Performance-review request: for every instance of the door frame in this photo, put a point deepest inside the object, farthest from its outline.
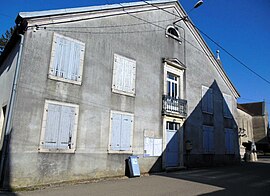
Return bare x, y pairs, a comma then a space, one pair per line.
181, 139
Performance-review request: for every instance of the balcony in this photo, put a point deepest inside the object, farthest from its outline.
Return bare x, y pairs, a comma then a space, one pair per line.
174, 106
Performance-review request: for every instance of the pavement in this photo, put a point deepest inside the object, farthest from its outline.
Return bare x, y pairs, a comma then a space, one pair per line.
244, 179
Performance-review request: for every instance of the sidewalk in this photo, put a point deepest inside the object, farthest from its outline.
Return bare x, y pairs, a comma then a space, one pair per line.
246, 179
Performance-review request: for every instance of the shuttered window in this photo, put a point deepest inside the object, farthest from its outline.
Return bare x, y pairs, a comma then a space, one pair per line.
230, 141
208, 139
66, 59
124, 75
121, 131
207, 100
59, 127
227, 105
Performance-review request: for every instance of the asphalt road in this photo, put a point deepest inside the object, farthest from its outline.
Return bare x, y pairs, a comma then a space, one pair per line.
245, 179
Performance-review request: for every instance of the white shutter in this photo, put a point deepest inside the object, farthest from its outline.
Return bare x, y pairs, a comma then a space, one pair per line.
67, 58
118, 73
52, 125
116, 120
126, 128
66, 127
124, 74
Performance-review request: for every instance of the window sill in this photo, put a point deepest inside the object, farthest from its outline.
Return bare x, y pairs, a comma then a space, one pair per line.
64, 80
130, 152
210, 113
123, 93
70, 151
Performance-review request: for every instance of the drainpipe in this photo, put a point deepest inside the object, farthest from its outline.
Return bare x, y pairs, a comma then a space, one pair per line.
11, 107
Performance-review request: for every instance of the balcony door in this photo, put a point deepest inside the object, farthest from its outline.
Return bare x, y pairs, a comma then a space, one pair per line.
173, 85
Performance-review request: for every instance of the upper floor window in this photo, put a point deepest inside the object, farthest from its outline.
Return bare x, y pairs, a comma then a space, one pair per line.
67, 58
173, 32
124, 75
173, 85
207, 100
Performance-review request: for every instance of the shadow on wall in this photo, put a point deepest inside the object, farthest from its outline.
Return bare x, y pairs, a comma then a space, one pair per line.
5, 163
212, 130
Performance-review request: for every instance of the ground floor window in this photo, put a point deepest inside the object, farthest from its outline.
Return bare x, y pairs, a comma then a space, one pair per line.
121, 132
208, 139
230, 140
59, 127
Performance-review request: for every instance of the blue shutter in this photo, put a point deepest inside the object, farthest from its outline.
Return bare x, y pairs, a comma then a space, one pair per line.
211, 139
116, 121
227, 140
52, 125
232, 141
210, 100
66, 127
126, 132
205, 139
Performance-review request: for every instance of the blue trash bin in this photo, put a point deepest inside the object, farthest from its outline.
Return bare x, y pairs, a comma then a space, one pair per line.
133, 165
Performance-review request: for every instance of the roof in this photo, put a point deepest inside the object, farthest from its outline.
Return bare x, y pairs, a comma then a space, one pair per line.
36, 14
254, 109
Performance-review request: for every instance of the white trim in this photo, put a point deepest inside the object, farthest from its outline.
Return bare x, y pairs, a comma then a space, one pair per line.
167, 34
131, 134
179, 73
181, 139
43, 128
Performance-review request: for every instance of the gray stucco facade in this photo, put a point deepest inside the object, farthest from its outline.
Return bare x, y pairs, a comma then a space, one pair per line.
137, 33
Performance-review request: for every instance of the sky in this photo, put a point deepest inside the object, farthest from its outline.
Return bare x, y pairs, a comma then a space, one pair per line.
241, 27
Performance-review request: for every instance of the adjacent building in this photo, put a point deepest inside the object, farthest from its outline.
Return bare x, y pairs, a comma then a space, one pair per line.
84, 88
254, 124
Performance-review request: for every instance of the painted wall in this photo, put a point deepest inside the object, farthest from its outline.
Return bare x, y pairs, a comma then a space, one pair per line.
142, 42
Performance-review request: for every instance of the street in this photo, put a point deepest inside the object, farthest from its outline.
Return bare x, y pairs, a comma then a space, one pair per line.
244, 179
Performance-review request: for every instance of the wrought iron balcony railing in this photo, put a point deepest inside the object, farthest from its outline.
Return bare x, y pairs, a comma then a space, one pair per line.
172, 105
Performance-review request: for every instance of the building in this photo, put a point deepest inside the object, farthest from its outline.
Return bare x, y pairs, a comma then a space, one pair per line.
245, 127
257, 123
84, 88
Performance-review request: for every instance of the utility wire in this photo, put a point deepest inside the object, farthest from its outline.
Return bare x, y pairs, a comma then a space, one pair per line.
226, 51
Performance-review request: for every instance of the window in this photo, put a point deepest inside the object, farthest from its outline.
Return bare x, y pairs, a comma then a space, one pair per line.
207, 100
124, 75
59, 127
66, 59
208, 139
172, 85
227, 106
173, 32
230, 138
121, 134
